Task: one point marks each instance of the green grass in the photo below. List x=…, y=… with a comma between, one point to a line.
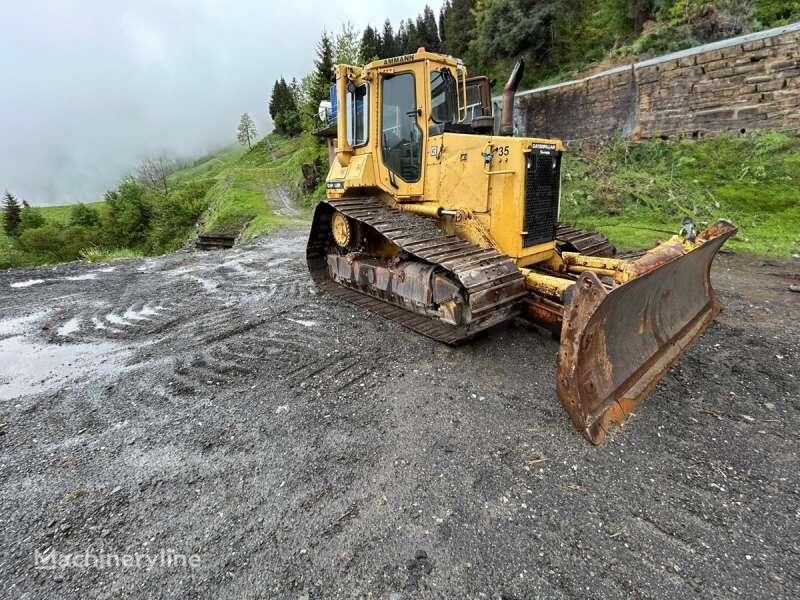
x=57, y=214
x=637, y=194
x=240, y=200
x=94, y=254
x=236, y=185
x=61, y=213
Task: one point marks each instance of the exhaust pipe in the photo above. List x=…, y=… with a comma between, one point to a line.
x=509, y=90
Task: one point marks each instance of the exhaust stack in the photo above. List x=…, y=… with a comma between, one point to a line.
x=509, y=90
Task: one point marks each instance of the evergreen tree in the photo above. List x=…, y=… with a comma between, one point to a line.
x=428, y=31
x=274, y=100
x=283, y=107
x=346, y=46
x=12, y=214
x=402, y=38
x=370, y=45
x=246, y=134
x=297, y=93
x=388, y=41
x=458, y=26
x=446, y=7
x=323, y=71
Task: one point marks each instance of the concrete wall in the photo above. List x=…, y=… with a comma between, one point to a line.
x=748, y=82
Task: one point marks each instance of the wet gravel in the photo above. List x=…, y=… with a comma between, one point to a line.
x=212, y=405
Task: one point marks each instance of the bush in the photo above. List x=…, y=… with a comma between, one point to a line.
x=774, y=12
x=174, y=217
x=127, y=221
x=84, y=216
x=31, y=218
x=55, y=243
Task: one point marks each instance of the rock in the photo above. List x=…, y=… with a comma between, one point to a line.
x=794, y=288
x=421, y=555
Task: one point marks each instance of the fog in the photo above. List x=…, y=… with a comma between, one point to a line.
x=89, y=87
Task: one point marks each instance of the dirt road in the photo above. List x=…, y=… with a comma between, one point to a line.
x=213, y=405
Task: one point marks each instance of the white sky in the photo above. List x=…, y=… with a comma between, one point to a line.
x=89, y=87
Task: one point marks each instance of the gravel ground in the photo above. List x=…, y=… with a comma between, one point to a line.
x=211, y=407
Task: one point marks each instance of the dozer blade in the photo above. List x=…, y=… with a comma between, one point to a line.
x=616, y=344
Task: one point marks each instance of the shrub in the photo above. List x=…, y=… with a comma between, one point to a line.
x=84, y=216
x=31, y=218
x=175, y=217
x=55, y=243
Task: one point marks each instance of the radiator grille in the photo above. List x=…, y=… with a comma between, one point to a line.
x=542, y=180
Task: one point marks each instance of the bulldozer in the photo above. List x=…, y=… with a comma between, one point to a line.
x=439, y=218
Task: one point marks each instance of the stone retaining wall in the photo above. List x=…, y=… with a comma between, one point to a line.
x=749, y=82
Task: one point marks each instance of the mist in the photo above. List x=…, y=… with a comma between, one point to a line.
x=91, y=87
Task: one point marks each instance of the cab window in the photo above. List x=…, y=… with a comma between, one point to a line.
x=444, y=102
x=358, y=115
x=401, y=136
x=474, y=105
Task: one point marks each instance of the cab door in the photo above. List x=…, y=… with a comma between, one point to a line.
x=402, y=136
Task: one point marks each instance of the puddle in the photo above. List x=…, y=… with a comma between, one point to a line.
x=69, y=327
x=83, y=277
x=28, y=283
x=19, y=325
x=303, y=323
x=207, y=284
x=132, y=314
x=28, y=367
x=116, y=320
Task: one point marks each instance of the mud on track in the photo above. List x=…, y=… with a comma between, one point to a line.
x=212, y=403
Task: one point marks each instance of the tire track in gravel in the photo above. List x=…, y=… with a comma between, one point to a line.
x=303, y=447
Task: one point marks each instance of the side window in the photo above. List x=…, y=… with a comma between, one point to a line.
x=358, y=115
x=444, y=102
x=474, y=107
x=401, y=137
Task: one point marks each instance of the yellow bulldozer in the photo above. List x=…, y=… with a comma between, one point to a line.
x=438, y=218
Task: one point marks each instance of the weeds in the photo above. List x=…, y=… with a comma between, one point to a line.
x=632, y=192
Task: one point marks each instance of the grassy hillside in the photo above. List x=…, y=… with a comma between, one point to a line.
x=232, y=190
x=243, y=196
x=638, y=193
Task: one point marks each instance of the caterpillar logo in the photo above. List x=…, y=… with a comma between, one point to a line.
x=398, y=59
x=543, y=146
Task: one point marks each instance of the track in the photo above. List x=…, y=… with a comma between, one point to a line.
x=491, y=281
x=586, y=242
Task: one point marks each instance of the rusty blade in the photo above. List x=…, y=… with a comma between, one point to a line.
x=616, y=345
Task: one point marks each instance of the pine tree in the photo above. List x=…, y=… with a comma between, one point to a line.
x=428, y=31
x=12, y=215
x=274, y=100
x=323, y=71
x=458, y=28
x=442, y=17
x=283, y=107
x=388, y=41
x=402, y=38
x=297, y=93
x=246, y=133
x=370, y=45
x=346, y=46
